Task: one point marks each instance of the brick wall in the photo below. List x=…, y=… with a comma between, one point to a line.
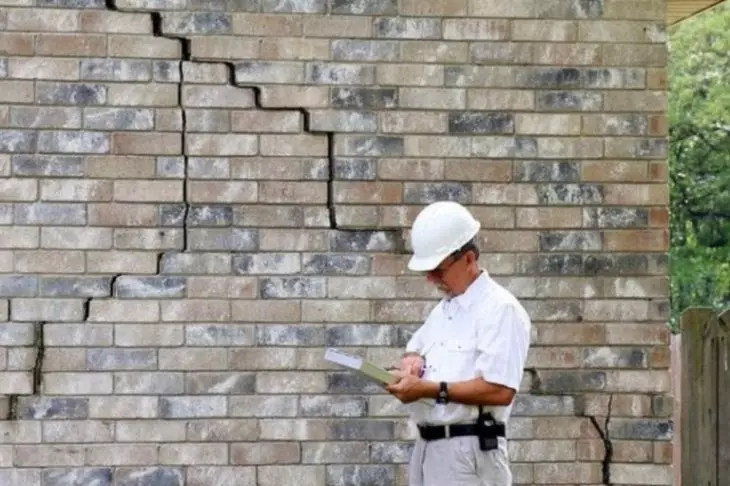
x=198, y=196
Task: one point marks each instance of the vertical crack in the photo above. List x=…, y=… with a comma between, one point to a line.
x=604, y=434
x=185, y=56
x=86, y=309
x=40, y=354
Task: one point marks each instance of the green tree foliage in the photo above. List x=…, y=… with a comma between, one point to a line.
x=699, y=120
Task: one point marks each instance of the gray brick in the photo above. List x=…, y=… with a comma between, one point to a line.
x=364, y=7
x=293, y=288
x=428, y=192
x=115, y=70
x=77, y=477
x=17, y=334
x=149, y=287
x=290, y=335
x=192, y=407
x=166, y=71
x=662, y=405
x=543, y=405
x=75, y=287
x=355, y=169
x=152, y=383
x=58, y=408
x=339, y=73
x=391, y=452
x=359, y=335
x=200, y=263
x=330, y=264
x=570, y=241
x=560, y=264
x=18, y=141
x=363, y=241
x=170, y=167
x=579, y=194
x=57, y=310
x=149, y=476
x=294, y=6
x=547, y=171
x=220, y=335
x=121, y=359
x=48, y=165
x=220, y=383
x=652, y=148
x=365, y=50
x=586, y=9
x=640, y=429
x=363, y=98
x=343, y=121
x=369, y=146
x=613, y=217
x=190, y=23
x=50, y=214
x=614, y=78
x=572, y=381
x=569, y=101
x=266, y=264
x=208, y=121
x=45, y=117
x=362, y=429
x=172, y=214
x=503, y=146
x=610, y=357
x=74, y=142
x=332, y=406
x=481, y=122
x=3, y=68
x=71, y=94
x=407, y=28
x=223, y=239
x=119, y=118
x=269, y=72
x=18, y=286
x=208, y=168
x=347, y=382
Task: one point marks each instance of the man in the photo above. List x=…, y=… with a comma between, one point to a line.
x=469, y=355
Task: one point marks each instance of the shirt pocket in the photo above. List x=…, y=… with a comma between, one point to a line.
x=460, y=356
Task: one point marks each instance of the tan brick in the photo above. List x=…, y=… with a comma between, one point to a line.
x=294, y=48
x=352, y=192
x=547, y=124
x=70, y=45
x=147, y=143
x=219, y=191
x=266, y=311
x=634, y=101
x=42, y=20
x=636, y=240
x=43, y=68
x=143, y=47
x=544, y=30
x=151, y=94
x=16, y=44
x=500, y=99
x=122, y=214
x=114, y=22
x=221, y=145
x=331, y=26
x=293, y=192
x=438, y=8
x=50, y=261
x=137, y=262
x=295, y=96
x=148, y=191
x=410, y=74
x=16, y=91
x=254, y=121
x=567, y=54
x=224, y=48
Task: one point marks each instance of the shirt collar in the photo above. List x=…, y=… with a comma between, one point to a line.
x=474, y=292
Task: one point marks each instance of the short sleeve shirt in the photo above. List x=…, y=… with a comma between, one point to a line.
x=484, y=332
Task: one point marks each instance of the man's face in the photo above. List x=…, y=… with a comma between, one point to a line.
x=448, y=276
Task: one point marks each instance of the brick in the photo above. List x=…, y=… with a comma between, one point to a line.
x=174, y=23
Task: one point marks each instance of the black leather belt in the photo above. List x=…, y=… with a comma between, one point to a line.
x=437, y=432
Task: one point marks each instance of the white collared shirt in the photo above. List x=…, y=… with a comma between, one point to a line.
x=484, y=332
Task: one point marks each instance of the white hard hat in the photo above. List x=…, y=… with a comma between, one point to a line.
x=440, y=229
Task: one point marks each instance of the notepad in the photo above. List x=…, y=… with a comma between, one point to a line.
x=370, y=370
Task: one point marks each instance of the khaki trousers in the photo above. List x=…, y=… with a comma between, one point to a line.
x=458, y=461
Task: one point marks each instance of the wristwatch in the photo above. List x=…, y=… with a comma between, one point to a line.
x=443, y=396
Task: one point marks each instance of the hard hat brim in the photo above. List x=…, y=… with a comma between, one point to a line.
x=418, y=264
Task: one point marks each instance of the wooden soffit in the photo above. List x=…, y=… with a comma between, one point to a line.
x=678, y=10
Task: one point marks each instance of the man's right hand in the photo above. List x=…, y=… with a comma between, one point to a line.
x=412, y=364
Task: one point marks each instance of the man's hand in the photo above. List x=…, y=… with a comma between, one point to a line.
x=412, y=364
x=408, y=388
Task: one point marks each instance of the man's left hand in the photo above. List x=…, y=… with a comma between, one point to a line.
x=408, y=388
